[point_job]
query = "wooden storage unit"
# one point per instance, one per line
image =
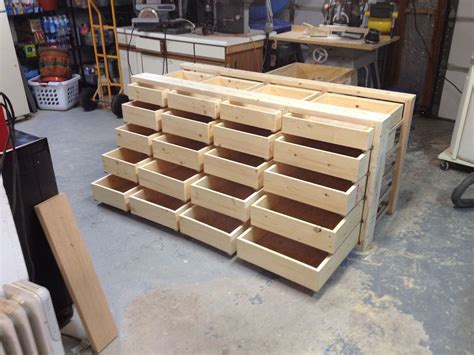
(168, 178)
(189, 125)
(331, 159)
(329, 131)
(294, 261)
(245, 139)
(306, 224)
(252, 115)
(213, 228)
(235, 166)
(287, 92)
(393, 110)
(181, 151)
(196, 103)
(124, 163)
(142, 114)
(114, 191)
(152, 94)
(313, 188)
(158, 207)
(189, 75)
(317, 72)
(232, 83)
(224, 196)
(136, 138)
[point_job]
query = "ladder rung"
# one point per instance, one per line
(108, 56)
(105, 27)
(115, 84)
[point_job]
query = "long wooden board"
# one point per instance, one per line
(75, 263)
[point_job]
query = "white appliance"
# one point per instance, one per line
(11, 82)
(9, 342)
(461, 150)
(36, 301)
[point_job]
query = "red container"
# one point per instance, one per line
(49, 5)
(3, 131)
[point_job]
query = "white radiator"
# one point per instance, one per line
(28, 323)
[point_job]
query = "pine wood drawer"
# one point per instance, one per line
(393, 110)
(294, 261)
(232, 83)
(152, 94)
(114, 191)
(158, 207)
(329, 131)
(181, 151)
(287, 92)
(135, 138)
(212, 228)
(200, 104)
(189, 125)
(252, 115)
(190, 75)
(313, 188)
(245, 139)
(336, 160)
(124, 162)
(224, 196)
(142, 114)
(306, 224)
(235, 166)
(168, 178)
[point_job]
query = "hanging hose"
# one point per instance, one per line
(456, 196)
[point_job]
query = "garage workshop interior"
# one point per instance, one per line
(236, 177)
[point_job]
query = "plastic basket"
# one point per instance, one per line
(57, 96)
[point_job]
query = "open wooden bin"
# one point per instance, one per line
(142, 114)
(190, 75)
(114, 191)
(287, 92)
(152, 94)
(136, 138)
(189, 125)
(124, 162)
(233, 83)
(326, 73)
(294, 261)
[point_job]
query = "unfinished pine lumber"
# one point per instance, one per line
(291, 174)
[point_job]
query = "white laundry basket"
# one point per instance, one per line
(57, 96)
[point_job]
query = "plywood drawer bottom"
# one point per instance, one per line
(224, 196)
(212, 228)
(124, 163)
(308, 225)
(114, 191)
(168, 178)
(294, 261)
(158, 207)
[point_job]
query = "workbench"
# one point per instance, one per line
(289, 173)
(355, 54)
(145, 51)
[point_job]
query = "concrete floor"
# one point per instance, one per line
(411, 293)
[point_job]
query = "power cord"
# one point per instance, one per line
(426, 46)
(17, 189)
(128, 51)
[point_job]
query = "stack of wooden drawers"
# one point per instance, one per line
(290, 178)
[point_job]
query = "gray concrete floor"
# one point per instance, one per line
(411, 293)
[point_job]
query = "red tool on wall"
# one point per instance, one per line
(3, 131)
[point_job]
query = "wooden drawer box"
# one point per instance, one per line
(224, 196)
(394, 110)
(343, 162)
(309, 225)
(124, 162)
(200, 104)
(212, 228)
(287, 92)
(245, 139)
(158, 207)
(189, 125)
(152, 94)
(235, 166)
(135, 138)
(233, 83)
(252, 115)
(142, 114)
(294, 261)
(190, 75)
(114, 191)
(181, 151)
(168, 178)
(329, 131)
(315, 189)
